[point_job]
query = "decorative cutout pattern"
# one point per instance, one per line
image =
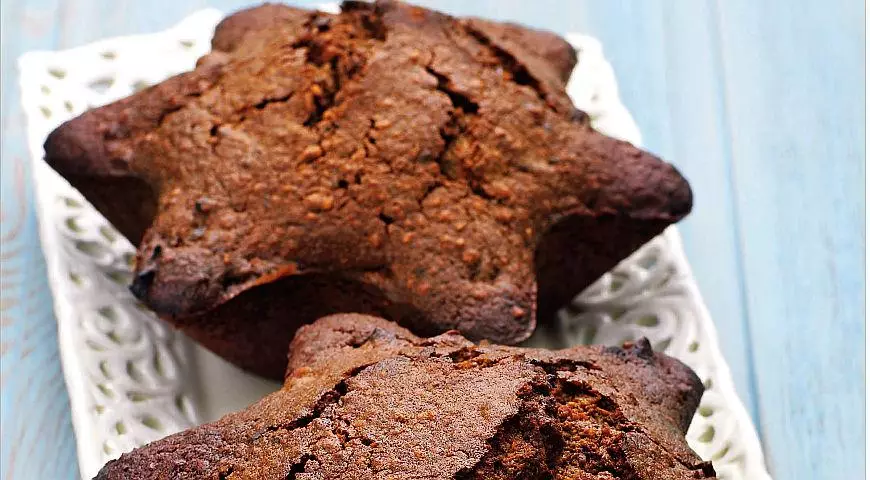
(125, 370)
(129, 375)
(134, 363)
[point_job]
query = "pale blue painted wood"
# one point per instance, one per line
(794, 97)
(759, 107)
(36, 438)
(699, 142)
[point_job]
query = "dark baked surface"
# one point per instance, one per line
(364, 398)
(388, 160)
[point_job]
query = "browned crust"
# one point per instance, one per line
(435, 163)
(367, 399)
(231, 31)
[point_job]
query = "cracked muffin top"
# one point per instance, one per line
(435, 161)
(364, 398)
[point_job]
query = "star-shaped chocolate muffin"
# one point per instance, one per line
(389, 160)
(364, 398)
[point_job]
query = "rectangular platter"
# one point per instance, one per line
(131, 379)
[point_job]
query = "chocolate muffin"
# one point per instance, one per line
(364, 398)
(388, 160)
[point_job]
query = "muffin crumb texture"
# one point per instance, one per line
(364, 398)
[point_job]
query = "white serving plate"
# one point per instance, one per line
(132, 380)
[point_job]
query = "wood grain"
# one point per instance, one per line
(35, 425)
(760, 104)
(794, 95)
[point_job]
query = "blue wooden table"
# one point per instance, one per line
(761, 105)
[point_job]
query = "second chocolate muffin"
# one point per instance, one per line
(365, 399)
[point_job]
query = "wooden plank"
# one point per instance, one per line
(668, 80)
(699, 133)
(794, 77)
(142, 17)
(35, 426)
